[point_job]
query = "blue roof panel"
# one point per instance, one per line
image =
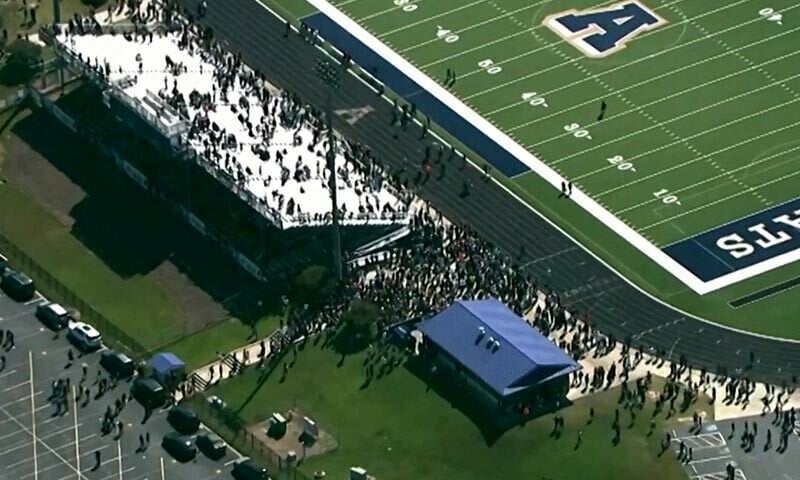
(507, 354)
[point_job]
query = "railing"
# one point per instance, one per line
(53, 289)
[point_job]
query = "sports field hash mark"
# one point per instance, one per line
(678, 116)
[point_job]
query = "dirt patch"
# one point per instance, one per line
(196, 306)
(30, 172)
(131, 231)
(294, 439)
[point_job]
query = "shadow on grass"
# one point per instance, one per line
(491, 421)
(133, 232)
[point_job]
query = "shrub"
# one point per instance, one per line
(22, 64)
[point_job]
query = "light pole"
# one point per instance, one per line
(328, 73)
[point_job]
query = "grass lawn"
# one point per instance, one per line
(399, 429)
(135, 304)
(200, 348)
(494, 31)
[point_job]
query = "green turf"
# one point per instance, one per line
(201, 348)
(708, 119)
(397, 428)
(136, 305)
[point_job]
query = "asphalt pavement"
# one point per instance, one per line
(40, 442)
(585, 284)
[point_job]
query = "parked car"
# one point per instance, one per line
(118, 364)
(17, 285)
(3, 263)
(247, 469)
(212, 445)
(181, 447)
(149, 393)
(53, 315)
(183, 419)
(85, 336)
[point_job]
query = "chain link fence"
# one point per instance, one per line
(230, 426)
(56, 291)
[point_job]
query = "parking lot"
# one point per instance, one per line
(38, 441)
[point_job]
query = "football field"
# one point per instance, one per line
(689, 126)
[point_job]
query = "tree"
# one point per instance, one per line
(312, 287)
(23, 63)
(361, 320)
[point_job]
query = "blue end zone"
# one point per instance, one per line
(741, 243)
(438, 112)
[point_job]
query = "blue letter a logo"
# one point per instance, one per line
(602, 31)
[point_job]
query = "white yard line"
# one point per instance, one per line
(547, 173)
(639, 84)
(620, 67)
(464, 30)
(718, 176)
(746, 60)
(717, 202)
(670, 144)
(119, 457)
(394, 8)
(428, 19)
(507, 37)
(777, 83)
(695, 160)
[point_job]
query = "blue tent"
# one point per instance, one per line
(166, 364)
(497, 346)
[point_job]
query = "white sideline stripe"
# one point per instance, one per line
(718, 176)
(611, 70)
(358, 77)
(383, 12)
(694, 160)
(721, 200)
(527, 158)
(476, 25)
(645, 82)
(428, 19)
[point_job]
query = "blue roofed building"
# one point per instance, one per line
(496, 351)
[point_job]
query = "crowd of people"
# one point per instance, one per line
(437, 264)
(269, 144)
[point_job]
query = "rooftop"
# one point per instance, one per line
(497, 346)
(269, 149)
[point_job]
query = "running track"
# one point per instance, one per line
(246, 27)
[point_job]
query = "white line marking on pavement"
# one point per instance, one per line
(77, 436)
(33, 418)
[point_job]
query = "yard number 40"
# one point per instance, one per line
(406, 4)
